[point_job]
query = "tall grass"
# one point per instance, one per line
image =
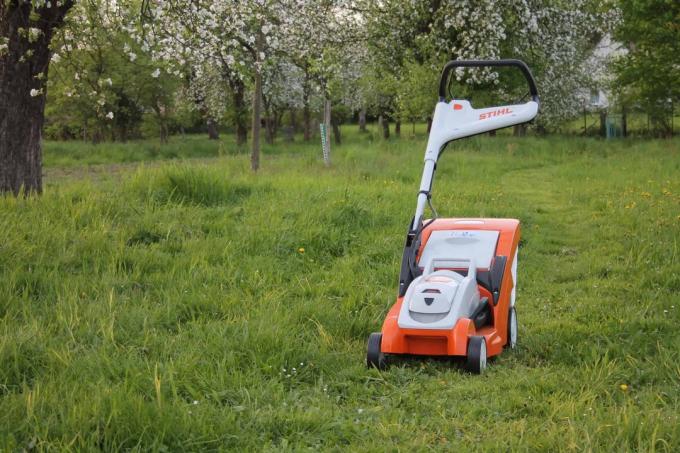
(193, 305)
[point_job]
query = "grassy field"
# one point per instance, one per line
(192, 305)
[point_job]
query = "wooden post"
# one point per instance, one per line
(327, 131)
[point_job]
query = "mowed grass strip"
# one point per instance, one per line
(193, 305)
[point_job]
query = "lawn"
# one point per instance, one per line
(193, 305)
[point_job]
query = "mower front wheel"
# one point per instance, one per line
(476, 355)
(374, 355)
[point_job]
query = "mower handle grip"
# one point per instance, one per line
(469, 263)
(486, 63)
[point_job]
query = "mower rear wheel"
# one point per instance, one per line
(512, 328)
(374, 355)
(476, 355)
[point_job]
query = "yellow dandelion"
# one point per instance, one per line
(624, 387)
(301, 250)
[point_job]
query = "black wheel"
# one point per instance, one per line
(512, 328)
(476, 355)
(374, 355)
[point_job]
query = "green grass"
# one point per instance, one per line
(172, 308)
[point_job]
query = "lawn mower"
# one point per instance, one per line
(456, 293)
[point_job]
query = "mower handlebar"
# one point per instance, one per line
(486, 63)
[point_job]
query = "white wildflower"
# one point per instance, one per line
(109, 115)
(156, 73)
(35, 92)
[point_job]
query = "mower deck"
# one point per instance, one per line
(495, 283)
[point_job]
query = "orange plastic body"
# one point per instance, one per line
(453, 342)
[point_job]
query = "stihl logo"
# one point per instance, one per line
(499, 112)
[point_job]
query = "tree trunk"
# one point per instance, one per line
(397, 128)
(240, 111)
(519, 130)
(362, 120)
(165, 134)
(269, 129)
(336, 131)
(213, 133)
(306, 113)
(23, 89)
(307, 120)
(385, 123)
(429, 124)
(257, 105)
(413, 128)
(603, 123)
(160, 111)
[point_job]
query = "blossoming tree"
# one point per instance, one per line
(26, 29)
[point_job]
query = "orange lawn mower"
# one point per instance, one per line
(458, 276)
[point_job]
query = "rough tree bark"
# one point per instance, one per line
(362, 120)
(24, 64)
(397, 128)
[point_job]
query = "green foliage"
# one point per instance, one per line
(103, 84)
(202, 307)
(648, 74)
(417, 92)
